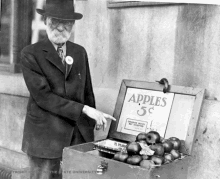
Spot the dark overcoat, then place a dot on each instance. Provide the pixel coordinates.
(57, 97)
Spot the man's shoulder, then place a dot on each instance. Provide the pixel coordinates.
(32, 48)
(76, 46)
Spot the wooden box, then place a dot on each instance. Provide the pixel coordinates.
(141, 107)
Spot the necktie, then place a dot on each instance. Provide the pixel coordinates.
(60, 53)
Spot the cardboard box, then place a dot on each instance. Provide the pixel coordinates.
(173, 111)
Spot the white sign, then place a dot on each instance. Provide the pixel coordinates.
(145, 110)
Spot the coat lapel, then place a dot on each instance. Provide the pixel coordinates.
(53, 56)
(69, 52)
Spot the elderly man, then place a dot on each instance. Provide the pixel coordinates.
(61, 109)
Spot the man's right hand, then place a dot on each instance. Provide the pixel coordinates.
(98, 116)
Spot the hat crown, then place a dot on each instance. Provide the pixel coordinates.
(59, 2)
(61, 9)
(59, 5)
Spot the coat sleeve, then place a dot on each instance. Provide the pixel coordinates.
(88, 93)
(41, 92)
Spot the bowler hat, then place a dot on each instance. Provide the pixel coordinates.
(60, 9)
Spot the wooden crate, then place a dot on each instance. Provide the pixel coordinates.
(179, 118)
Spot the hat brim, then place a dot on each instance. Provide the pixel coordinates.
(73, 16)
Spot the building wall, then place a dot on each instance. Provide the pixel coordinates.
(179, 42)
(13, 103)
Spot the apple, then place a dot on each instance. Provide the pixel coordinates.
(176, 142)
(141, 136)
(168, 146)
(142, 142)
(173, 138)
(134, 159)
(162, 139)
(175, 153)
(147, 164)
(146, 157)
(133, 148)
(158, 160)
(152, 137)
(121, 156)
(168, 158)
(158, 149)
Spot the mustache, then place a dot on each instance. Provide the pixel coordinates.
(63, 33)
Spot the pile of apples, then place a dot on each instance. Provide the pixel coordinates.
(150, 150)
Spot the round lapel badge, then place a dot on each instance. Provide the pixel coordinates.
(69, 60)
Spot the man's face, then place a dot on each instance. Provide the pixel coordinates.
(58, 31)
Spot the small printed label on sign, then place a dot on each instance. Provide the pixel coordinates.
(135, 125)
